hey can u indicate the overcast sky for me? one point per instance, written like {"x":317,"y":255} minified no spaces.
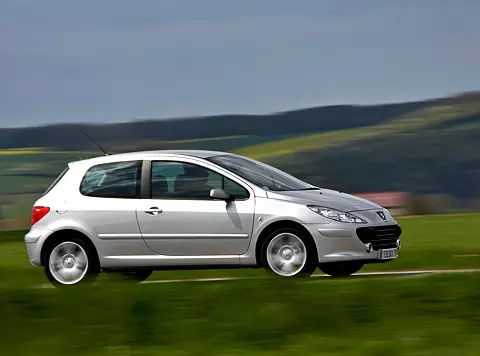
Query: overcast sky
{"x":117,"y":60}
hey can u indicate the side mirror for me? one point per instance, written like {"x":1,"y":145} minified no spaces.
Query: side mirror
{"x":220,"y":194}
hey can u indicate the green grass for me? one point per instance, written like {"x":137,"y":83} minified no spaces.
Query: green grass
{"x":434,"y":241}
{"x":420,"y":315}
{"x":22,"y":184}
{"x":416,"y":121}
{"x":15,"y":180}
{"x":392,"y":316}
{"x":18,"y":205}
{"x":22,"y":151}
{"x":228,"y":144}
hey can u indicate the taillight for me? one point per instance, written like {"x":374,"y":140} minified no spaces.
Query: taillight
{"x":38,"y":212}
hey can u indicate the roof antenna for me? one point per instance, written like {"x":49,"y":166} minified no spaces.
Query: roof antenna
{"x":91,"y":139}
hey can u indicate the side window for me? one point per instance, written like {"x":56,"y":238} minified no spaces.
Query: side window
{"x":182,"y":181}
{"x":113,"y":180}
{"x":177,"y":180}
{"x":164,"y":175}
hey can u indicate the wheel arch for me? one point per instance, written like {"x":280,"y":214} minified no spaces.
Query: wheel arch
{"x":63,"y":234}
{"x":277,"y":225}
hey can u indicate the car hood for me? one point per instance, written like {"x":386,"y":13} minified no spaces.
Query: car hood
{"x":327,"y":198}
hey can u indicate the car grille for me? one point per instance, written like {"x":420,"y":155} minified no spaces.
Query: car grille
{"x":380,"y":236}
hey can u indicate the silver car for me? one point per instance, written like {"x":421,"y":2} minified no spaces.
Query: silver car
{"x":132,"y":213}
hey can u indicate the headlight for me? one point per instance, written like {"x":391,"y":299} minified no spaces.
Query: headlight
{"x":337,"y":215}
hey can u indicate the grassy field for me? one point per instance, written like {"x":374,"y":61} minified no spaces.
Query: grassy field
{"x":418,"y":120}
{"x":421,"y":315}
{"x":25,"y":174}
{"x":436,"y":315}
{"x":21,"y":151}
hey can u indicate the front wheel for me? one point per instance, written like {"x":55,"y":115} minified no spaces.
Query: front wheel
{"x":340,"y":269}
{"x":289,"y":253}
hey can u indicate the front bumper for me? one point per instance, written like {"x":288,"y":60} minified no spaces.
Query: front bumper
{"x":356,"y":242}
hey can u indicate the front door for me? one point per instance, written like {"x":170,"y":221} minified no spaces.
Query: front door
{"x":181,"y":219}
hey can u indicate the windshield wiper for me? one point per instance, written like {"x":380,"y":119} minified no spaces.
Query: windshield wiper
{"x":311,"y":188}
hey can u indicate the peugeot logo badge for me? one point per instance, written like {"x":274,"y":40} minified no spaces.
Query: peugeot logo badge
{"x":382,"y":215}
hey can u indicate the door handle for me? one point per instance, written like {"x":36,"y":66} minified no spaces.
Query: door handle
{"x":153,"y":211}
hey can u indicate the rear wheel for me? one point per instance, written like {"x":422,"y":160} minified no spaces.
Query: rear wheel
{"x":340,"y":269}
{"x":135,"y":276}
{"x":70,"y":261}
{"x":289,"y":253}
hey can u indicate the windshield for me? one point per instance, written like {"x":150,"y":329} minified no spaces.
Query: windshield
{"x":260,"y":174}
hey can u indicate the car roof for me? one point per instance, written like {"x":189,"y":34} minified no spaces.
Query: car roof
{"x":136,"y":155}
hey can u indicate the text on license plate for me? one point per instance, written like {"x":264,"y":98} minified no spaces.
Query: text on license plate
{"x":387,"y":254}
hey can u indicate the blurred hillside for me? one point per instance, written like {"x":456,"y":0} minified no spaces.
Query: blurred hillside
{"x":119,"y":136}
{"x":428,"y":148}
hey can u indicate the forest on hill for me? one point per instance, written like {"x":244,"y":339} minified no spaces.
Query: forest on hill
{"x":319,"y":119}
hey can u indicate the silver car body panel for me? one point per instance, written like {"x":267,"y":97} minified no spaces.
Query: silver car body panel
{"x":195,"y":232}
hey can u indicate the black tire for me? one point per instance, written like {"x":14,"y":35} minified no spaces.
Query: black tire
{"x":136,"y":275}
{"x":340,"y":269}
{"x":92,"y":268}
{"x":311,"y":262}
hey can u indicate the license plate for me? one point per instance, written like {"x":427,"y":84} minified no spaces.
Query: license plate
{"x":388,"y":254}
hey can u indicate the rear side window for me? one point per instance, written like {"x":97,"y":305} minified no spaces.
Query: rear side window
{"x":55,"y":182}
{"x":113,"y":180}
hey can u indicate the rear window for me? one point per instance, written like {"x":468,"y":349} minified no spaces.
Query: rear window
{"x":113,"y":180}
{"x":55,"y":182}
